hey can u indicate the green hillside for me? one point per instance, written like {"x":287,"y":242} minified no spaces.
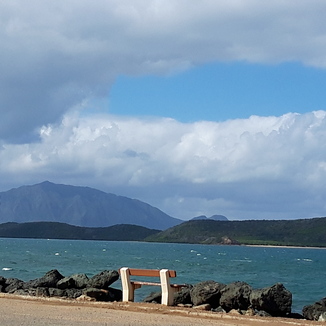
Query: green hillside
{"x":303,"y":232}
{"x":55,"y":230}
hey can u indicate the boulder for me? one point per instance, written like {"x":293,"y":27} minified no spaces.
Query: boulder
{"x":84,"y":297}
{"x":81,"y":280}
{"x":262,"y":313}
{"x":103,"y":280}
{"x":115,"y":294}
{"x":54,"y":292}
{"x":72,"y":293}
{"x":97,"y":294}
{"x":49,"y":280}
{"x":76,"y":281}
{"x":103,"y":295}
{"x":235,"y":296}
{"x":183,"y":296}
{"x":276,"y":300}
{"x":206,"y":292}
{"x":12,"y":285}
{"x":154,"y":297}
{"x":2,"y":280}
{"x":66,"y":283}
{"x":42,"y":292}
{"x":314,"y":311}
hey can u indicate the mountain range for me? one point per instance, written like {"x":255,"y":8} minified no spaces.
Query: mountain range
{"x":78,"y":206}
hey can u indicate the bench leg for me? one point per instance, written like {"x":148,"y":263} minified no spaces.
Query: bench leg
{"x":167,"y":290}
{"x":128,"y":290}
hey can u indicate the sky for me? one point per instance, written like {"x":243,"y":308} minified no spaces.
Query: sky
{"x":195,"y":107}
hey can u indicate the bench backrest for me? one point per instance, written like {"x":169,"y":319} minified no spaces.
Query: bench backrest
{"x":149,"y":272}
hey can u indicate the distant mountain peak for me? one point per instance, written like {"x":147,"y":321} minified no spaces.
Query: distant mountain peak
{"x":78,"y":205}
{"x":213,"y":217}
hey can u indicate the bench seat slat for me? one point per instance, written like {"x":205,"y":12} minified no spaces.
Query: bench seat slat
{"x":149,"y":272}
{"x":145,"y":283}
{"x":157,"y":284}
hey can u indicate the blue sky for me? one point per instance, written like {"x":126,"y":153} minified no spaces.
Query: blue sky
{"x":221,"y":91}
{"x":206,"y":108}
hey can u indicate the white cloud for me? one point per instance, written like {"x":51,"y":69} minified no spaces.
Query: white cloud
{"x":261,"y":167}
{"x":53,"y":55}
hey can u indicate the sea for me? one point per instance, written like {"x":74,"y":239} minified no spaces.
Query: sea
{"x":301,"y":270}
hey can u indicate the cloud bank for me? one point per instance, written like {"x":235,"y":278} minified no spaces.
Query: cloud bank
{"x":58,"y":57}
{"x":55,"y":55}
{"x":261,"y":167}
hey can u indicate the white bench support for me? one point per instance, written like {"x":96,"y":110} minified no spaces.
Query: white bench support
{"x":167,"y":290}
{"x":128,"y":289}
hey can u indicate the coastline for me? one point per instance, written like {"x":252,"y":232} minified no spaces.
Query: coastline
{"x":285,"y":247}
{"x":21,"y":310}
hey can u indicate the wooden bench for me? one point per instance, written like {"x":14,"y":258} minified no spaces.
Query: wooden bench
{"x":129,"y":286}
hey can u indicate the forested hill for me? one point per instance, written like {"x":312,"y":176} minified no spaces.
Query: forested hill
{"x":55,"y":230}
{"x":303,"y":232}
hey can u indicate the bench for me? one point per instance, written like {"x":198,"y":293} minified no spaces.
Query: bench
{"x":129,"y":286}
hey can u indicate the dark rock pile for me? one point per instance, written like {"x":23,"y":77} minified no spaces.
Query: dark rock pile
{"x":237,"y":297}
{"x":53,"y":284}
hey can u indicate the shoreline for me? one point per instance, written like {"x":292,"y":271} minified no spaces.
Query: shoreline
{"x":282,"y":246}
{"x":36,"y":311}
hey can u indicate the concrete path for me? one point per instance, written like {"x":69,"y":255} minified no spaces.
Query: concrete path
{"x":16,"y":311}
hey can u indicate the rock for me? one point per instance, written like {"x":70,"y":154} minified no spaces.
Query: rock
{"x":235,"y":296}
{"x":262,"y":313}
{"x":81,"y":280}
{"x":228,"y":241}
{"x":42,"y":292}
{"x":103,"y":295}
{"x":154,"y":297}
{"x":234,"y":312}
{"x":76,"y":281}
{"x":115,"y":294}
{"x":322,"y":317}
{"x":12,"y":285}
{"x":249,"y":312}
{"x":97,"y":294}
{"x":205,"y":306}
{"x":206,"y":292}
{"x":72,"y":293}
{"x":2,"y":280}
{"x":183,"y":296}
{"x":103,"y":280}
{"x":219,"y":309}
{"x":54,"y":292}
{"x":49,"y":280}
{"x":66,"y":283}
{"x":84,"y":297}
{"x":314,"y":311}
{"x":274,"y":300}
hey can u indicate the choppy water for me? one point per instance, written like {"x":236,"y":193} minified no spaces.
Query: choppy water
{"x":302,"y":271}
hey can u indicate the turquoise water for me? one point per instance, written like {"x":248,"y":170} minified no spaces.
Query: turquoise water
{"x":302,"y":271}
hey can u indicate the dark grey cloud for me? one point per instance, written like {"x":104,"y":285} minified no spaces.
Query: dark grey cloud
{"x":56,"y":55}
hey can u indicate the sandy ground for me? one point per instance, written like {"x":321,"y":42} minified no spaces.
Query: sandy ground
{"x":16,"y":311}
